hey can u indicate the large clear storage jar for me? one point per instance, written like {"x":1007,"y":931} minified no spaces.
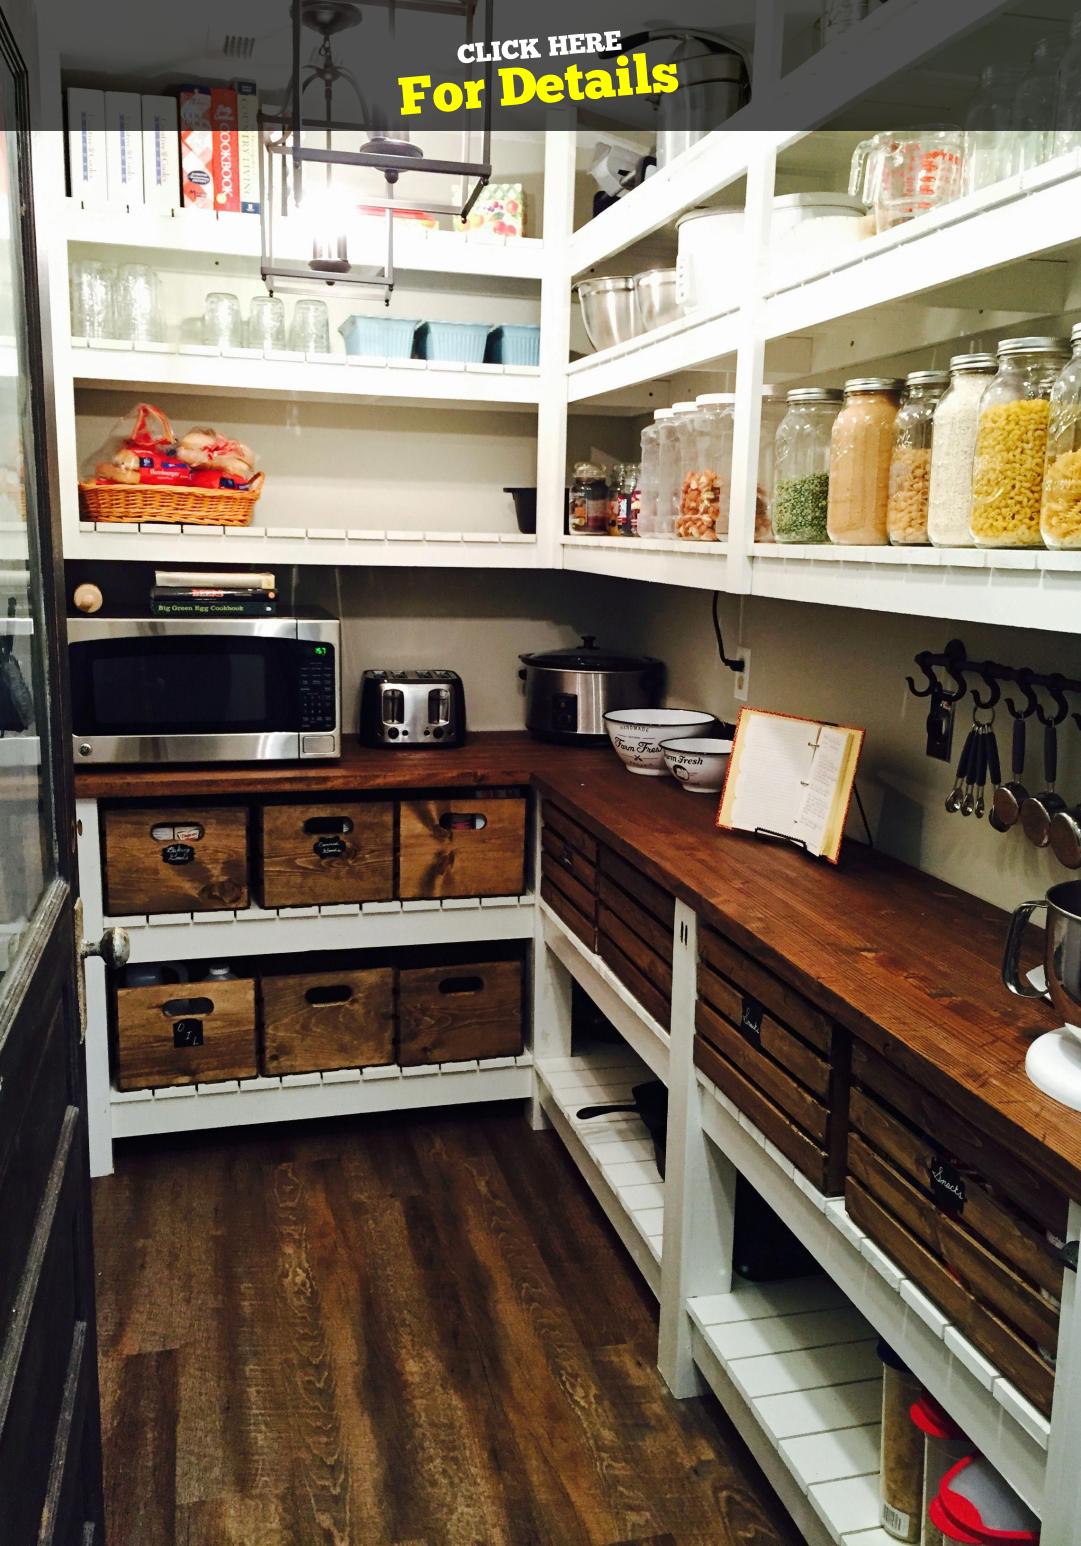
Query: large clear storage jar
{"x":649,"y":477}
{"x":706,"y":440}
{"x":910,"y":460}
{"x":1060,"y":508}
{"x":949,"y":501}
{"x":670,"y":475}
{"x":1011,"y":443}
{"x":802,"y":464}
{"x":860,"y":449}
{"x":774,"y":408}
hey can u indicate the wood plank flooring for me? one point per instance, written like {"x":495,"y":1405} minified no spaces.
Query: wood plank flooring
{"x":412,"y":1331}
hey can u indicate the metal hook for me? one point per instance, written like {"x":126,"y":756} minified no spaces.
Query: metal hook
{"x":922,"y":660}
{"x":1031,"y":702}
{"x":993,"y":689}
{"x":1062,"y":708}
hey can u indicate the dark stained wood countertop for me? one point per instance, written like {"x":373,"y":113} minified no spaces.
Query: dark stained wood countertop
{"x":908,"y":963}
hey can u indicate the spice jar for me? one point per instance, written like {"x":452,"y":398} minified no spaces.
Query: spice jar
{"x":620,"y":491}
{"x":802,"y":464}
{"x":901,"y":1478}
{"x":672,"y":447}
{"x":860,"y":450}
{"x":774,"y":408}
{"x":583,"y":497}
{"x":910,"y":460}
{"x":949,"y":502}
{"x":1011,"y":443}
{"x":944,"y":1444}
{"x":706,"y":442}
{"x":1060,"y":508}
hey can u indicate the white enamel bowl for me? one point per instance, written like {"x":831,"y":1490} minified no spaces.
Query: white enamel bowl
{"x":699,"y":763}
{"x":637,"y":735}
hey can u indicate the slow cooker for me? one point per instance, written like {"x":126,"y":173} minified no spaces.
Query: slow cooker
{"x":569,"y":691}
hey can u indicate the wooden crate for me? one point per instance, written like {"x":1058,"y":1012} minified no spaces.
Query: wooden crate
{"x":961,"y":1217}
{"x":781,"y":1060}
{"x":328,"y":1019}
{"x":463,"y":845}
{"x":568,"y":881}
{"x":312,"y":855}
{"x":185,"y":1033}
{"x":451,"y":1014}
{"x":175,"y":859}
{"x":635,"y":918}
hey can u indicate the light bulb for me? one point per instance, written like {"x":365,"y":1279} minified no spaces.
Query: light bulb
{"x":326,"y":219}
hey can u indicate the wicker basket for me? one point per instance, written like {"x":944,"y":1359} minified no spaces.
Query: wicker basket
{"x":135,"y":502}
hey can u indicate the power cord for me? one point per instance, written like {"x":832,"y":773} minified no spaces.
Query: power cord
{"x":733,"y":665}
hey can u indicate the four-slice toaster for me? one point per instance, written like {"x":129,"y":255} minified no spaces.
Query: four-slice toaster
{"x":403,"y":709}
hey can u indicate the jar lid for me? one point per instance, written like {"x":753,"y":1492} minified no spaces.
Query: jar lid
{"x":874,"y":384}
{"x":1075,"y":333}
{"x":684,"y":407}
{"x":662,"y":413}
{"x":1034,"y":345}
{"x":727,"y":398}
{"x":933,"y":1420}
{"x":816,"y":395}
{"x":972,"y":364}
{"x":588,"y":656}
{"x":587,"y":470}
{"x":928,"y":378}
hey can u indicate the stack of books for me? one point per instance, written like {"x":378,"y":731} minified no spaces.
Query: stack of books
{"x":189,"y":593}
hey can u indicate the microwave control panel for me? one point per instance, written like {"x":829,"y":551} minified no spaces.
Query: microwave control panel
{"x":318,"y":689}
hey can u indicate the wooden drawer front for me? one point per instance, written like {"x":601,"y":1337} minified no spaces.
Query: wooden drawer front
{"x":450,"y":1014}
{"x":185,"y":1033}
{"x":467,"y":845}
{"x":324,"y":854}
{"x":635,"y":918}
{"x":969,"y":1225}
{"x":569,"y":872}
{"x":793,"y":1088}
{"x":323,"y":1020}
{"x":176,"y":860}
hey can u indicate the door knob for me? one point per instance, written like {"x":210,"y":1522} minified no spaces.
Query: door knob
{"x":114,"y":948}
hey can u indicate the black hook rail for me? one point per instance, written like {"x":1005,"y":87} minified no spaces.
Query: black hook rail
{"x":953,"y":661}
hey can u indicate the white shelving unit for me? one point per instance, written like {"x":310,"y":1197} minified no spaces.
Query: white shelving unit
{"x":359,"y":546}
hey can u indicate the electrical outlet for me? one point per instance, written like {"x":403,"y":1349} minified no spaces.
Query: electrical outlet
{"x":743,"y":678}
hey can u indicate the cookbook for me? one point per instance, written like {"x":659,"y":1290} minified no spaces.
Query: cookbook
{"x":791,"y":778}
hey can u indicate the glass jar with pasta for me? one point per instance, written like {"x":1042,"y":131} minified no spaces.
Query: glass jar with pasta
{"x":860,"y":449}
{"x":1060,"y":509}
{"x":706,"y":437}
{"x":910,"y":460}
{"x":1011,"y":443}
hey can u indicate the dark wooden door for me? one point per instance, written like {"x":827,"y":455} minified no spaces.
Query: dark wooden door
{"x":50,"y":1465}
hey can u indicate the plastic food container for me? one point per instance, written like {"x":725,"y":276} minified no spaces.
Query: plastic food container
{"x":674,"y":444}
{"x":380,"y":338}
{"x":1060,"y":507}
{"x":861,"y":446}
{"x":949,"y":503}
{"x":1011,"y":443}
{"x":460,"y":342}
{"x":706,"y":459}
{"x":901,"y":1477}
{"x":802,"y":465}
{"x":910,"y":462}
{"x":808,"y":226}
{"x":974,"y":1505}
{"x":944,"y":1444}
{"x":513,"y":344}
{"x":710,"y":261}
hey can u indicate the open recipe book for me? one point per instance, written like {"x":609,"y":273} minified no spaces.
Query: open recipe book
{"x":791,"y":778}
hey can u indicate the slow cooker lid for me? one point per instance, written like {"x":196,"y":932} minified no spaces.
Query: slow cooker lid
{"x":588,"y":656}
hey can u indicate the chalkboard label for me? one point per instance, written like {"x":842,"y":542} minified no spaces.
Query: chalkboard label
{"x":946,"y":1185}
{"x":330,"y":848}
{"x":187,"y":1033}
{"x":750,"y":1020}
{"x":178,"y":853}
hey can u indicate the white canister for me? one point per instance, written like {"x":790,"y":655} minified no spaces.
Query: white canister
{"x":710,"y":261}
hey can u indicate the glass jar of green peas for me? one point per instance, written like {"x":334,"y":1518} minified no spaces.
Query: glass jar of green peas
{"x":801,"y":465}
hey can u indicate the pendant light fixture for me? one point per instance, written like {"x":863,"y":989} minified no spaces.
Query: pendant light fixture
{"x":296,"y":179}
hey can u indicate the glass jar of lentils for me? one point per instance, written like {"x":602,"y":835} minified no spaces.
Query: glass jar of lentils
{"x":910,"y":461}
{"x":1011,"y":443}
{"x":801,"y":465}
{"x":949,"y":502}
{"x":860,"y":449}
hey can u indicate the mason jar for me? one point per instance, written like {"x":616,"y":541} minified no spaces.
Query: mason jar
{"x":1060,"y":507}
{"x":949,"y":503}
{"x":774,"y":408}
{"x":860,"y":449}
{"x":802,"y":464}
{"x":910,"y":460}
{"x":1011,"y":443}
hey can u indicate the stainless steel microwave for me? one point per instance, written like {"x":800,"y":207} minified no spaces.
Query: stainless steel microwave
{"x":171,"y":689}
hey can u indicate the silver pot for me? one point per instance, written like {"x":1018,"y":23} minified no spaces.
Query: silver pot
{"x":569,"y":691}
{"x":1062,"y":950}
{"x":656,"y":291}
{"x":610,"y":312}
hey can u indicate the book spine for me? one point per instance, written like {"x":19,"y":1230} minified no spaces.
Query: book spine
{"x":212,"y":608}
{"x":247,"y":116}
{"x":161,"y":154}
{"x":223,"y":117}
{"x":124,"y":148}
{"x":196,"y":148}
{"x":86,"y":145}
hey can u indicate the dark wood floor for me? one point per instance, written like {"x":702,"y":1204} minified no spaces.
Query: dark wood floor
{"x":401,"y":1332}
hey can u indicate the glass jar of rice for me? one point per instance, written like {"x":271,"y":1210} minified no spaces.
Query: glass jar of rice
{"x":1011,"y":443}
{"x":1060,"y":510}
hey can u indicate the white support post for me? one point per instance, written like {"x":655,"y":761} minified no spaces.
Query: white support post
{"x":96,"y":1047}
{"x":699,"y":1184}
{"x":560,"y":147}
{"x":1062,"y":1486}
{"x":551,"y":992}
